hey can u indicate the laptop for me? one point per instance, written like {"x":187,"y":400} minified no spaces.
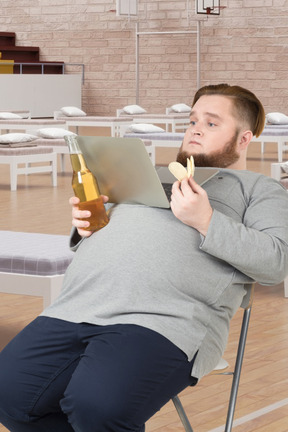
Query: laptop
{"x":125,"y":173}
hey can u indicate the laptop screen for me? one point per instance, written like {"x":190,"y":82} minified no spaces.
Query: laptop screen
{"x":125,"y":173}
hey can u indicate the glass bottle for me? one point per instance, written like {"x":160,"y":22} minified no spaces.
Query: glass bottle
{"x":85,"y":187}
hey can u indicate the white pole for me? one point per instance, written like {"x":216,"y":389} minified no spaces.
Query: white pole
{"x":137,"y":64}
{"x":198,"y":55}
{"x":165,"y":32}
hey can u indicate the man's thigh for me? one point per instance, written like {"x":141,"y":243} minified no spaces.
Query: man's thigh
{"x":36,"y":366}
{"x":125,"y":375}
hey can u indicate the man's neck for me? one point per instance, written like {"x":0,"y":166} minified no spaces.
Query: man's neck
{"x":241,"y":163}
{"x":238,"y":166}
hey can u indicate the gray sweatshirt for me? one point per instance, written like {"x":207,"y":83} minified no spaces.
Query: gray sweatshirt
{"x":148,"y":268}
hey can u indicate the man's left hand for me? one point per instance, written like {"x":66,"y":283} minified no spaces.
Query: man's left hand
{"x":190,"y":204}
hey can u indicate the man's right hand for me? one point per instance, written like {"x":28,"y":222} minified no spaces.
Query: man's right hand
{"x":78,"y":215}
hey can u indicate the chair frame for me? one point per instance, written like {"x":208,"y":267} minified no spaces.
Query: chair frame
{"x":276,"y":173}
{"x":247,"y":306}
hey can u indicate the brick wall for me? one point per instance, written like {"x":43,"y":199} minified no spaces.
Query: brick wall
{"x":245,"y":45}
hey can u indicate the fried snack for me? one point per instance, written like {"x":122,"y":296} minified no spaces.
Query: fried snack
{"x":180,"y":172}
{"x":190,"y":167}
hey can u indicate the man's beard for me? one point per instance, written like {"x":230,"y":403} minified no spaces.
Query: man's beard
{"x":220,"y":159}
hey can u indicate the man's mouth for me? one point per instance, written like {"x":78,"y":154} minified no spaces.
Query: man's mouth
{"x":193,"y":142}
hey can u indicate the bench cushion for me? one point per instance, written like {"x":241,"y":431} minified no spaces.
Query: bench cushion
{"x":20,"y":151}
{"x":34,"y":254}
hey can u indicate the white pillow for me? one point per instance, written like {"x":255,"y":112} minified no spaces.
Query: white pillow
{"x":181,"y":108}
{"x":9,"y":115}
{"x":276,"y":118}
{"x":284,"y":166}
{"x":134,"y":109}
{"x":11,"y":138}
{"x":72,"y":111}
{"x":144,"y":128}
{"x":53,"y":133}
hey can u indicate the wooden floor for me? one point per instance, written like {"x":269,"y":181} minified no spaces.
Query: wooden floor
{"x":263,"y":395}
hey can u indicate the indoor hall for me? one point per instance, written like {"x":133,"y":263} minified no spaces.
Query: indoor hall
{"x":246,"y":45}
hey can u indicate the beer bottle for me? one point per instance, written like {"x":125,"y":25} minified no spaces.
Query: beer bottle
{"x":85,"y":187}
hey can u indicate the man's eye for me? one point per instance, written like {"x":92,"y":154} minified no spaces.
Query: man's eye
{"x":211,"y":124}
{"x":192,"y":123}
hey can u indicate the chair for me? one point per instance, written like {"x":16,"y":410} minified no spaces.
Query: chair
{"x":279,"y":171}
{"x":246,"y":305}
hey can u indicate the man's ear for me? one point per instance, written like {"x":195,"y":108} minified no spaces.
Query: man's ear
{"x":245,"y":138}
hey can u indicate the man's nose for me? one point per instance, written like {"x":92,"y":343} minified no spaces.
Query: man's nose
{"x":195,"y":130}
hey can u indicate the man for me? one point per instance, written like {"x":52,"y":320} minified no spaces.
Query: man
{"x":146,"y":303}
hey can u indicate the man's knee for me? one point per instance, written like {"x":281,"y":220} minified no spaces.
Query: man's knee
{"x":9,"y":389}
{"x":90,"y":414}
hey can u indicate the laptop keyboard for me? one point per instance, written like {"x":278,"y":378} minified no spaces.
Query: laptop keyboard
{"x":167,"y":189}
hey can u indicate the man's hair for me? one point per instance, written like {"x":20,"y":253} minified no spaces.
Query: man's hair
{"x":247,"y":107}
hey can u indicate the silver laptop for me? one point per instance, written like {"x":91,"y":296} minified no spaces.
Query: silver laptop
{"x":126,"y":174}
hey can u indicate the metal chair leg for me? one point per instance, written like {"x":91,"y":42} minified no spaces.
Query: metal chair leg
{"x":182,"y":415}
{"x":237,"y":370}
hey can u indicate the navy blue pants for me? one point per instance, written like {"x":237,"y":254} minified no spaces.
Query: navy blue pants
{"x":62,"y":377}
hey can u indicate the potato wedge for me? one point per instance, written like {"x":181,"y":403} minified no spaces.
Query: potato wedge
{"x":180,"y":172}
{"x":190,"y":166}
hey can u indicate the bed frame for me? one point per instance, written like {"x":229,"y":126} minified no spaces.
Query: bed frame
{"x":118,"y":125}
{"x":30,"y":125}
{"x":44,"y":158}
{"x":173,"y":121}
{"x":160,"y":139}
{"x":274,"y":133}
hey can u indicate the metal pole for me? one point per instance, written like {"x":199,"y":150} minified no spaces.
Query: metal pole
{"x":198,"y":55}
{"x":137,"y":64}
{"x":164,"y":32}
{"x":168,"y":32}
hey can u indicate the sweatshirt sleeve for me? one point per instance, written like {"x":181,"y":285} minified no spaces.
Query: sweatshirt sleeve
{"x":258,"y":247}
{"x":75,"y":239}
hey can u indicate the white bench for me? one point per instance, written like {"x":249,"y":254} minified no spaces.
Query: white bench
{"x":58,"y":145}
{"x":29,"y":155}
{"x":274,"y":133}
{"x":24,"y":114}
{"x":171,"y":120}
{"x":117,"y":125}
{"x":160,"y":139}
{"x":33,"y":264}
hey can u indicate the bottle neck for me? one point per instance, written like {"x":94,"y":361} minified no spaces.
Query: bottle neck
{"x":77,"y":160}
{"x":73,"y":145}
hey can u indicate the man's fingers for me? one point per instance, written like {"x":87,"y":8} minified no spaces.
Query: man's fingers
{"x":74,"y":200}
{"x":84,"y":233}
{"x":80,"y":214}
{"x":189,"y":186}
{"x":195,"y":186}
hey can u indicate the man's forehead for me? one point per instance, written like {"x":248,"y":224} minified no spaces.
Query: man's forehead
{"x":215,"y":106}
{"x":207,"y":114}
